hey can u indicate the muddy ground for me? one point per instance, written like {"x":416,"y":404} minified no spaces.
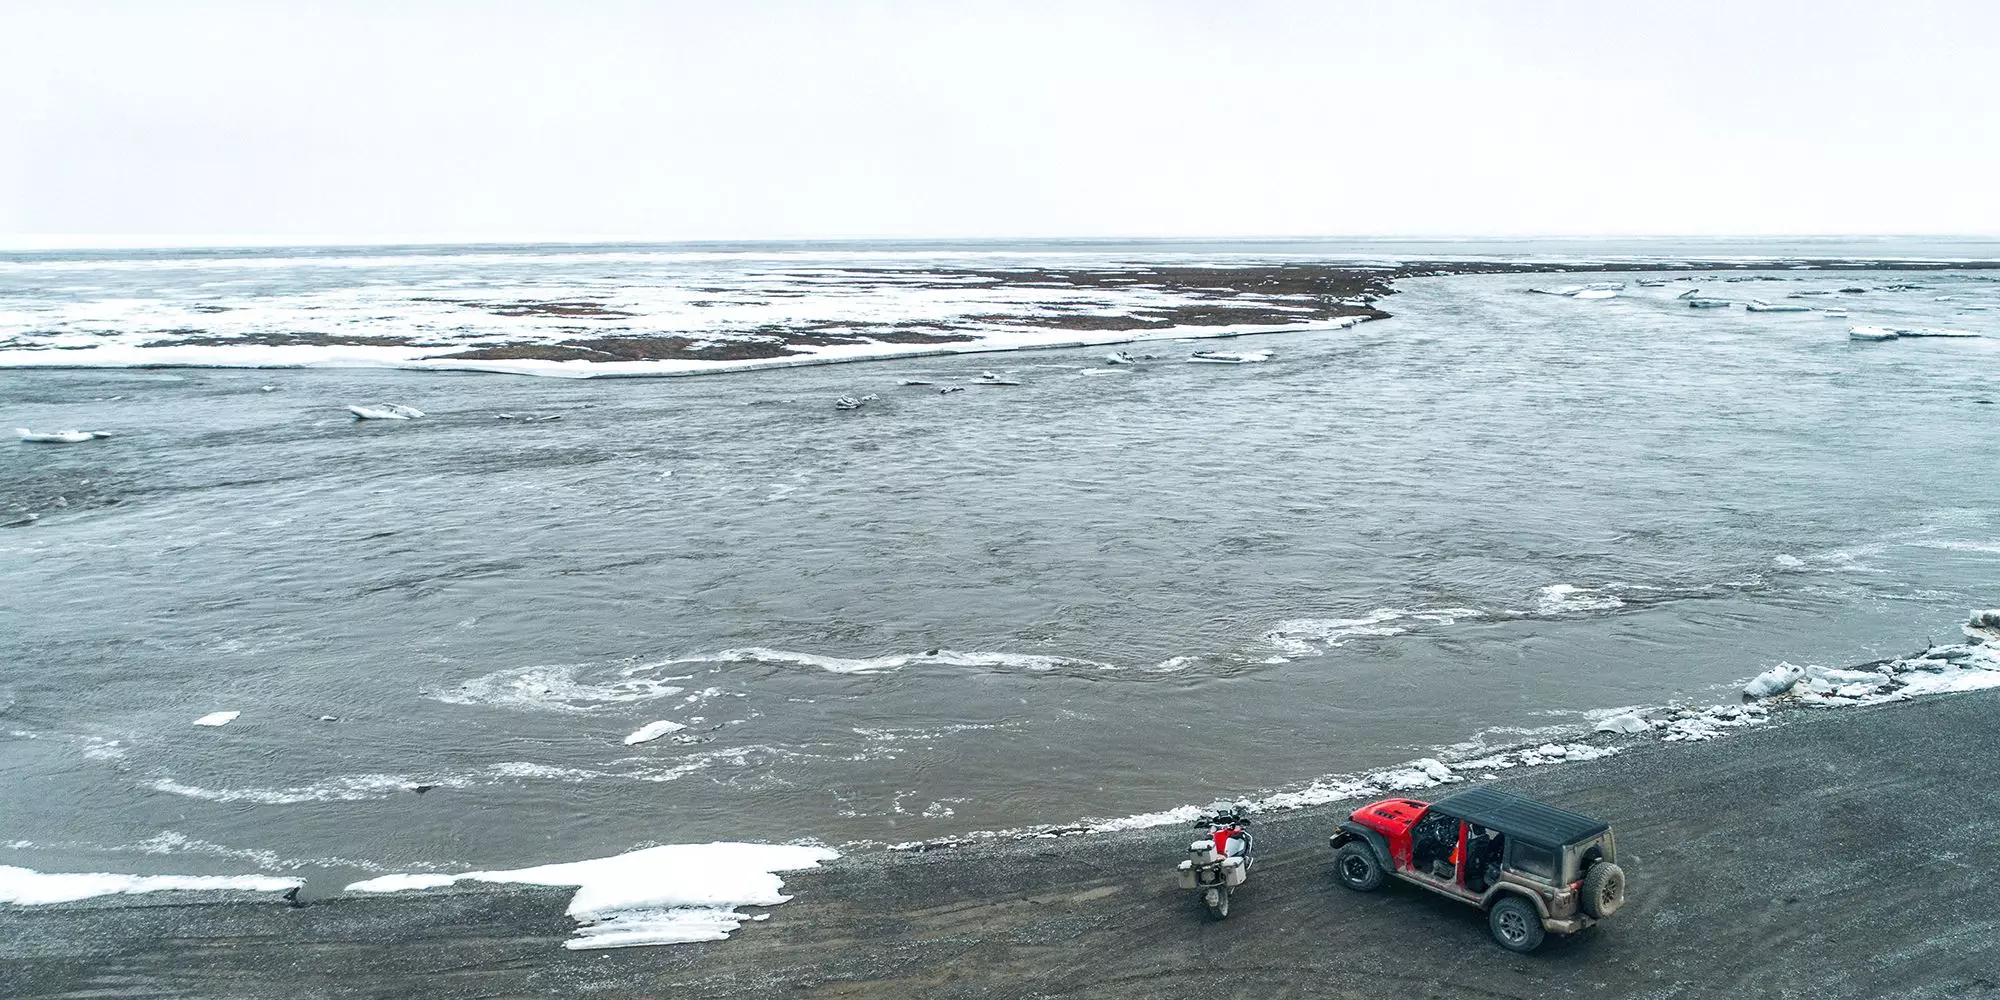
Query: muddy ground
{"x":1832,"y":854}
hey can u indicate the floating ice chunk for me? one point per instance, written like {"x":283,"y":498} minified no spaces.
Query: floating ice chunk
{"x":1761,"y":306}
{"x":917,"y":381}
{"x":1989,"y":619}
{"x":399,"y":883}
{"x":652,"y":731}
{"x":1228,"y":357}
{"x":1871,"y":333}
{"x":58,"y":437}
{"x":217,"y":719}
{"x":1118,"y":358}
{"x":386,"y":411}
{"x":1775,"y":681}
{"x":27,"y":887}
{"x":1788,"y":561}
{"x":846,"y":403}
{"x":1931,"y":331}
{"x":1701,"y":303}
{"x":1627,"y":723}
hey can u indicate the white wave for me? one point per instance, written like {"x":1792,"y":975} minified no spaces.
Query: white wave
{"x":557,"y":688}
{"x":1566,"y":599}
{"x":1313,"y":636}
{"x":27,"y":887}
{"x":345,"y":788}
{"x":672,"y":894}
{"x":1957,"y":546}
{"x":880,"y":664}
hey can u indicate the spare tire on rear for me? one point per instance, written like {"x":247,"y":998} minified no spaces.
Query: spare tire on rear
{"x":1603,"y":889}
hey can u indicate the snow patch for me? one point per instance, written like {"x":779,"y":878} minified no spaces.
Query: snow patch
{"x":27,"y":887}
{"x":671,"y":894}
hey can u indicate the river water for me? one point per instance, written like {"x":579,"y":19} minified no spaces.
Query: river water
{"x":1087,"y":595}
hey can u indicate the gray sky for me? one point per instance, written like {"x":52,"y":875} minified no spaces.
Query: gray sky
{"x":752,"y":120}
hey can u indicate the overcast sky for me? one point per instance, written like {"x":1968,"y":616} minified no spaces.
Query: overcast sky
{"x":586,"y":119}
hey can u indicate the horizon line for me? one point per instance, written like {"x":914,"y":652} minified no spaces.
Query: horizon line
{"x":31,"y":243}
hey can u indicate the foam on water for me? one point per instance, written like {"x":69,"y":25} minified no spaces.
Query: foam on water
{"x":557,"y":688}
{"x":1567,"y":599}
{"x":1312,"y":636}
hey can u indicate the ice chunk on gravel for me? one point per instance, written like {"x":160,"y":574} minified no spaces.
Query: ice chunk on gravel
{"x":1775,"y":681}
{"x":1627,"y":723}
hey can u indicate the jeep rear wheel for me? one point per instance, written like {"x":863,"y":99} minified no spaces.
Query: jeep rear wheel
{"x":1603,"y":889}
{"x":1358,"y":867}
{"x":1515,"y":924}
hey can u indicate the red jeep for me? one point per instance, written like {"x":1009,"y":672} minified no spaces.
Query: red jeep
{"x":1533,"y":867}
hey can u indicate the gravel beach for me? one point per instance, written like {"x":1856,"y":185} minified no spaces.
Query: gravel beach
{"x":1832,"y":854}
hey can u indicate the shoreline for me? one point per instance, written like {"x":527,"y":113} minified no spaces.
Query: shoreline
{"x":1190,"y":302}
{"x":1772,"y":892}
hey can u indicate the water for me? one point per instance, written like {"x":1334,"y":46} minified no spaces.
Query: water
{"x":1490,"y":515}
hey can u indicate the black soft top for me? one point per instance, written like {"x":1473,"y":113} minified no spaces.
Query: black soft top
{"x":1523,"y":818}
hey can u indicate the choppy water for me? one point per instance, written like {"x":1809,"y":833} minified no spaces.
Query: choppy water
{"x":1082,"y":596}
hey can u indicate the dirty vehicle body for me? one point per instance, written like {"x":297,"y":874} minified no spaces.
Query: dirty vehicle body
{"x":1534,"y":868}
{"x":1220,"y":860}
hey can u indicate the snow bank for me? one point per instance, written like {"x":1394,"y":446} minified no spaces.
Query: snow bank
{"x":672,"y":894}
{"x":217,"y":719}
{"x":32,"y":888}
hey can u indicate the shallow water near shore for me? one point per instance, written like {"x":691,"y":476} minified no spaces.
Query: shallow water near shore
{"x":1077,"y":597}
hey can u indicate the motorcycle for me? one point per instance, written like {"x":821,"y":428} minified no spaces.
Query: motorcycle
{"x":1220,"y":861}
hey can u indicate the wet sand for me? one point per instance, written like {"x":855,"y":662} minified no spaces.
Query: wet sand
{"x":1846,"y":853}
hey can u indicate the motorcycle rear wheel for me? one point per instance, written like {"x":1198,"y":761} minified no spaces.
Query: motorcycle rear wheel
{"x":1217,"y":901}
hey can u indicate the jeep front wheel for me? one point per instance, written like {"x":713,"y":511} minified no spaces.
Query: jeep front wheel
{"x":1603,"y":889}
{"x":1358,"y":867}
{"x":1515,"y":924}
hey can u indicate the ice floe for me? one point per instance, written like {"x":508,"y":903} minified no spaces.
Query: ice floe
{"x":58,"y":437}
{"x":652,"y":731}
{"x":1229,"y":357}
{"x":27,"y":887}
{"x":386,"y":411}
{"x":1761,"y":306}
{"x":217,"y":719}
{"x":672,"y":894}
